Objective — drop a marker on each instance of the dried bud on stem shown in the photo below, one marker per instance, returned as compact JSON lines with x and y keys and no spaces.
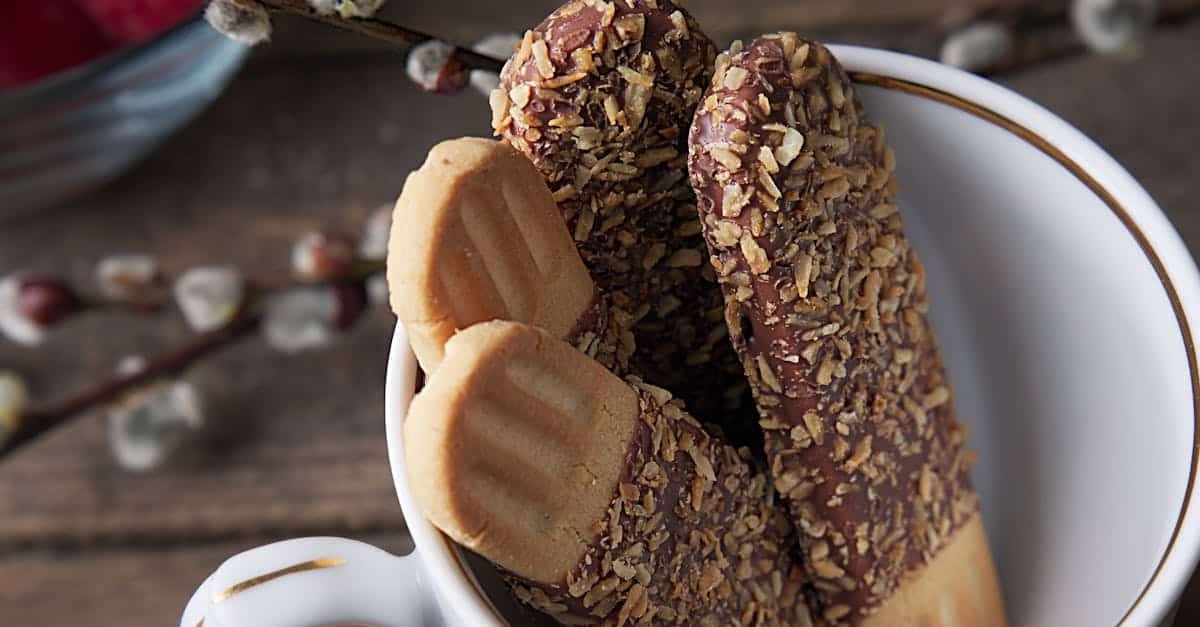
{"x":244,"y":21}
{"x":149,"y":423}
{"x":434,"y":68}
{"x":209,"y":296}
{"x":126,"y":278}
{"x":29,"y":305}
{"x":299,"y":320}
{"x":150,"y":410}
{"x":978,"y":46}
{"x":347,"y":8}
{"x":319,"y":255}
{"x":248,"y":21}
{"x":1114,"y":27}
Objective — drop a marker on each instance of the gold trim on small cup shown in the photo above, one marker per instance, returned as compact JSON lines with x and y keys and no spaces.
{"x":242,"y":586}
{"x":1035,"y":140}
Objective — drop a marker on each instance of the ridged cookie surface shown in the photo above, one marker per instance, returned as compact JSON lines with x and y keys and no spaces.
{"x":604,"y":502}
{"x":476,"y":236}
{"x":515,"y":446}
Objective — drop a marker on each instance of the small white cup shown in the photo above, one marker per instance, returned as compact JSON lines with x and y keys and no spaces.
{"x":1065,"y":305}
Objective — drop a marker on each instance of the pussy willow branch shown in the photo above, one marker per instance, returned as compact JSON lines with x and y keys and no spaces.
{"x":1042,"y":30}
{"x":381,"y":30}
{"x":36,"y":421}
{"x":40,"y":420}
{"x":1050,"y":12}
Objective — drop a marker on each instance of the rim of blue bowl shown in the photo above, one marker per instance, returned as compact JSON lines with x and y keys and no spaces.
{"x":50,"y":87}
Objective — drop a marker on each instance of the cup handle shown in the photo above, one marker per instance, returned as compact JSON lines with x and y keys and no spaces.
{"x":308,"y":582}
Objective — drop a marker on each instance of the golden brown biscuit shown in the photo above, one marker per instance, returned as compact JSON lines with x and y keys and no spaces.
{"x":476,"y":236}
{"x":603,"y":501}
{"x":516,"y":447}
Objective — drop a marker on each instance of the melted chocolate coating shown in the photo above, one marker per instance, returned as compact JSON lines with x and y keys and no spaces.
{"x":826,"y":306}
{"x":599,"y":96}
{"x":692,"y":538}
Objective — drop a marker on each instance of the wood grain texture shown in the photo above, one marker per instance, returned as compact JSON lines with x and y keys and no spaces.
{"x":294,"y":446}
{"x":318,"y":132}
{"x":127,"y":587}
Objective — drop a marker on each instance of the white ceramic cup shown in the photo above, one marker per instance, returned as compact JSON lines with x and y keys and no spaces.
{"x":1065,"y":305}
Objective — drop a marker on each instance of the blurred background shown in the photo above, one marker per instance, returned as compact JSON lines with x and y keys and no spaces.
{"x":158,"y":182}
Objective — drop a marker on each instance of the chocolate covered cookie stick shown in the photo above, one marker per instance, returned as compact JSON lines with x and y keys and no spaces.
{"x":826,"y":306}
{"x":599,"y":96}
{"x":602,"y":500}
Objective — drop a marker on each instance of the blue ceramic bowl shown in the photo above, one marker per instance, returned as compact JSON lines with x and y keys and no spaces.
{"x":71,"y":133}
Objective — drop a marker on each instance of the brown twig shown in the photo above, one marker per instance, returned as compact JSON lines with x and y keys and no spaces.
{"x":37,"y":421}
{"x":1043,"y":29}
{"x":388,"y":32}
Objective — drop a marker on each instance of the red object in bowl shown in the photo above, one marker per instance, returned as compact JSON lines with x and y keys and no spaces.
{"x":134,"y":21}
{"x":41,"y":37}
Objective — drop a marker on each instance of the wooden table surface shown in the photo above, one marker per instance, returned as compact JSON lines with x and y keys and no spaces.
{"x":317,"y":130}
